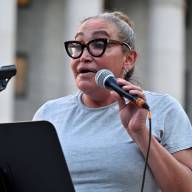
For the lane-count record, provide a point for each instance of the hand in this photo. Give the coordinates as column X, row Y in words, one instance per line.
column 133, row 118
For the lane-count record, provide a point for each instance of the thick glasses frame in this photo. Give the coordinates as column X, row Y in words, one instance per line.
column 83, row 46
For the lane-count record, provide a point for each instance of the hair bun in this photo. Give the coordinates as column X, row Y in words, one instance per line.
column 123, row 17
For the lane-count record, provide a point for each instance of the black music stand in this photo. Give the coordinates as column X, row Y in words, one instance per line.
column 31, row 159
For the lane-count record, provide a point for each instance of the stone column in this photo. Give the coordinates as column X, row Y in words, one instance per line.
column 167, row 47
column 7, row 52
column 76, row 11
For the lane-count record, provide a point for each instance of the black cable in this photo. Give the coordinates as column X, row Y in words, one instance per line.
column 147, row 155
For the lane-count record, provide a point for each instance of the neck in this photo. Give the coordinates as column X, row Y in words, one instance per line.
column 101, row 100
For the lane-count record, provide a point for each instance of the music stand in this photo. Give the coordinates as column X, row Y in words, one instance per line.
column 31, row 159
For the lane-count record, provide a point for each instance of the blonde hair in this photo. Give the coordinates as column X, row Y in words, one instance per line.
column 123, row 24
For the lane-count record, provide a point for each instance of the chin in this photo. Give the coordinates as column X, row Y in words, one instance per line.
column 85, row 86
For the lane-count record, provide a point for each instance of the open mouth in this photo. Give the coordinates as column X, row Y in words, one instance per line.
column 84, row 71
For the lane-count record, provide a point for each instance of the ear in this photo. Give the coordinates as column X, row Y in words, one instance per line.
column 129, row 60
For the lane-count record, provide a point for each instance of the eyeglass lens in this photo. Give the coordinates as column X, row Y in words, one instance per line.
column 95, row 47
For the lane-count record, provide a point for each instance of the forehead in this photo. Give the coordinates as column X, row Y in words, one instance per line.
column 96, row 27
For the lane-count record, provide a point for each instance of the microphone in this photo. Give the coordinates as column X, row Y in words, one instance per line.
column 106, row 79
column 7, row 71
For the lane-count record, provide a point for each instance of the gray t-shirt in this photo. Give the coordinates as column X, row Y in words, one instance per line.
column 100, row 154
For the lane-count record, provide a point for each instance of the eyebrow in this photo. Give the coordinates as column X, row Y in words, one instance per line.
column 101, row 32
column 79, row 34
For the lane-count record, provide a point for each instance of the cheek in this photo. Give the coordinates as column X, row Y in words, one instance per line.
column 114, row 56
column 73, row 64
column 114, row 63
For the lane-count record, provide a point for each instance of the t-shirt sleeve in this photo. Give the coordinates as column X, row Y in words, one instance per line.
column 42, row 113
column 177, row 128
column 38, row 115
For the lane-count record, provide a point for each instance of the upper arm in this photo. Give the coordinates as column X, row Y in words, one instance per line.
column 184, row 157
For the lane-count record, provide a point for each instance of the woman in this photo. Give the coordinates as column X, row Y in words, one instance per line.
column 105, row 137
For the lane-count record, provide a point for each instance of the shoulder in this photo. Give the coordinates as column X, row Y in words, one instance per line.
column 66, row 100
column 167, row 110
column 168, row 113
column 56, row 106
column 60, row 102
column 162, row 101
column 171, row 124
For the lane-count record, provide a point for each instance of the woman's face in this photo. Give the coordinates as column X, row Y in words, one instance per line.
column 85, row 67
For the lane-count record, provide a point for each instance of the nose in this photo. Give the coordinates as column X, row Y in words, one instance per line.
column 86, row 56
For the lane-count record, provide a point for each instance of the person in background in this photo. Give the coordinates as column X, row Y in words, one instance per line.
column 105, row 137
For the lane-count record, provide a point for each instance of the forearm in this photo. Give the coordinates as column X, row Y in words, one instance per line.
column 169, row 173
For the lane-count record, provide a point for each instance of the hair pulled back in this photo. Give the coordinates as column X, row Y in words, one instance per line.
column 125, row 31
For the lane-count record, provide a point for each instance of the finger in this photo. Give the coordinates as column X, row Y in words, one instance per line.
column 127, row 85
column 138, row 93
column 132, row 87
column 123, row 81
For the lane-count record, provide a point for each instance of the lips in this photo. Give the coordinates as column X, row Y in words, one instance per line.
column 86, row 70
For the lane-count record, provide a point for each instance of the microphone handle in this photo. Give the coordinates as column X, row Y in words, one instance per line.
column 134, row 99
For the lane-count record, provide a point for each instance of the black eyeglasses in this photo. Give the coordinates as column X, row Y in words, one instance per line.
column 95, row 47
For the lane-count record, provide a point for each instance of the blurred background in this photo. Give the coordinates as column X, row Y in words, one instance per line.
column 32, row 33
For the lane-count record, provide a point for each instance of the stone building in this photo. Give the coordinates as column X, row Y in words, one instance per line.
column 33, row 31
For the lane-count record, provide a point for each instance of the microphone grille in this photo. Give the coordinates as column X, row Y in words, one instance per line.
column 101, row 77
